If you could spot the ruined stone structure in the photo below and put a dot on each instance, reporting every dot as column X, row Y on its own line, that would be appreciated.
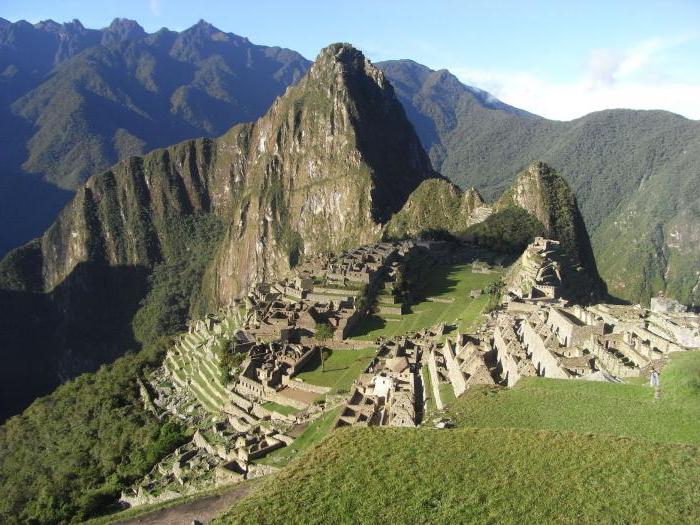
column 385, row 394
column 568, row 342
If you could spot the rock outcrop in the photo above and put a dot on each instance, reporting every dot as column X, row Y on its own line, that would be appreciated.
column 322, row 170
column 543, row 193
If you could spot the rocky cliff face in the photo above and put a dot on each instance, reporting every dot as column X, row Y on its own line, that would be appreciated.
column 328, row 164
column 323, row 170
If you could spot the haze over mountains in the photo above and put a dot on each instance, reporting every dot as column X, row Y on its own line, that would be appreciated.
column 119, row 91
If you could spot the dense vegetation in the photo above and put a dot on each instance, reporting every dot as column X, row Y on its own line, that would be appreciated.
column 175, row 284
column 507, row 231
column 69, row 454
column 435, row 210
column 633, row 172
column 116, row 92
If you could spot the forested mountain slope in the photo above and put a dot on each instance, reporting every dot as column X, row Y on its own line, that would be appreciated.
column 74, row 101
column 631, row 171
column 192, row 226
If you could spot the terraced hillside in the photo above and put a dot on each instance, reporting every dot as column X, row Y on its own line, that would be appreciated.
column 196, row 369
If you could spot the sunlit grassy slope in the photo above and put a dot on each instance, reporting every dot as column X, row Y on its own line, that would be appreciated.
column 591, row 407
column 339, row 369
column 472, row 475
column 545, row 452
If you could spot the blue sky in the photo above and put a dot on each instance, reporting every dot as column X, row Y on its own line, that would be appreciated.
column 558, row 59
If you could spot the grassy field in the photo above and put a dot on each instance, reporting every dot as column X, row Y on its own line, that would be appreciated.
column 453, row 282
column 591, row 407
column 479, row 476
column 547, row 451
column 340, row 369
column 280, row 409
column 314, row 433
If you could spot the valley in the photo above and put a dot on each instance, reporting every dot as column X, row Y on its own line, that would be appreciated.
column 366, row 293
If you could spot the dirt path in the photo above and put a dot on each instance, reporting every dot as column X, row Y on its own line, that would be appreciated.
column 203, row 510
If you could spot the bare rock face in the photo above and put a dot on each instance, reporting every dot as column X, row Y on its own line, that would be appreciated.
column 330, row 162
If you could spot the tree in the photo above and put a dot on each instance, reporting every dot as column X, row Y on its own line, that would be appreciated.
column 324, row 332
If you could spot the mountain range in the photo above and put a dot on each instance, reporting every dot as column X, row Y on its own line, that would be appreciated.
column 120, row 91
column 633, row 173
column 73, row 101
column 161, row 238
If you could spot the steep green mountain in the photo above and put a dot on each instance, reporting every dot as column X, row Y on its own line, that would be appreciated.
column 539, row 202
column 630, row 170
column 68, row 455
column 328, row 164
column 113, row 93
column 437, row 204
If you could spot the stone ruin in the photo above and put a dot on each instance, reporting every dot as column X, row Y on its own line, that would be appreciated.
column 385, row 394
column 392, row 390
column 549, row 338
column 325, row 290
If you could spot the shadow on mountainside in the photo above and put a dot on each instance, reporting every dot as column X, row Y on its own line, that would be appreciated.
column 49, row 338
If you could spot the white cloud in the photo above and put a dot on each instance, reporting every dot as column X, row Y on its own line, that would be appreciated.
column 155, row 7
column 633, row 78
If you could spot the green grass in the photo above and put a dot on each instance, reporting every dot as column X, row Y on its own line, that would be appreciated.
column 546, row 451
column 313, row 434
column 428, row 390
column 447, row 281
column 592, row 407
column 447, row 393
column 361, row 475
column 280, row 409
column 341, row 368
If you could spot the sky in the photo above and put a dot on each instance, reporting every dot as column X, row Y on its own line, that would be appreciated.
column 559, row 59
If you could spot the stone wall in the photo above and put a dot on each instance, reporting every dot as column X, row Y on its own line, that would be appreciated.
column 434, row 379
column 509, row 368
column 459, row 384
column 546, row 363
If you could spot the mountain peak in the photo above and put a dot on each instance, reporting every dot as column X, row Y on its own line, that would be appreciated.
column 48, row 25
column 542, row 192
column 347, row 61
column 204, row 27
column 126, row 28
